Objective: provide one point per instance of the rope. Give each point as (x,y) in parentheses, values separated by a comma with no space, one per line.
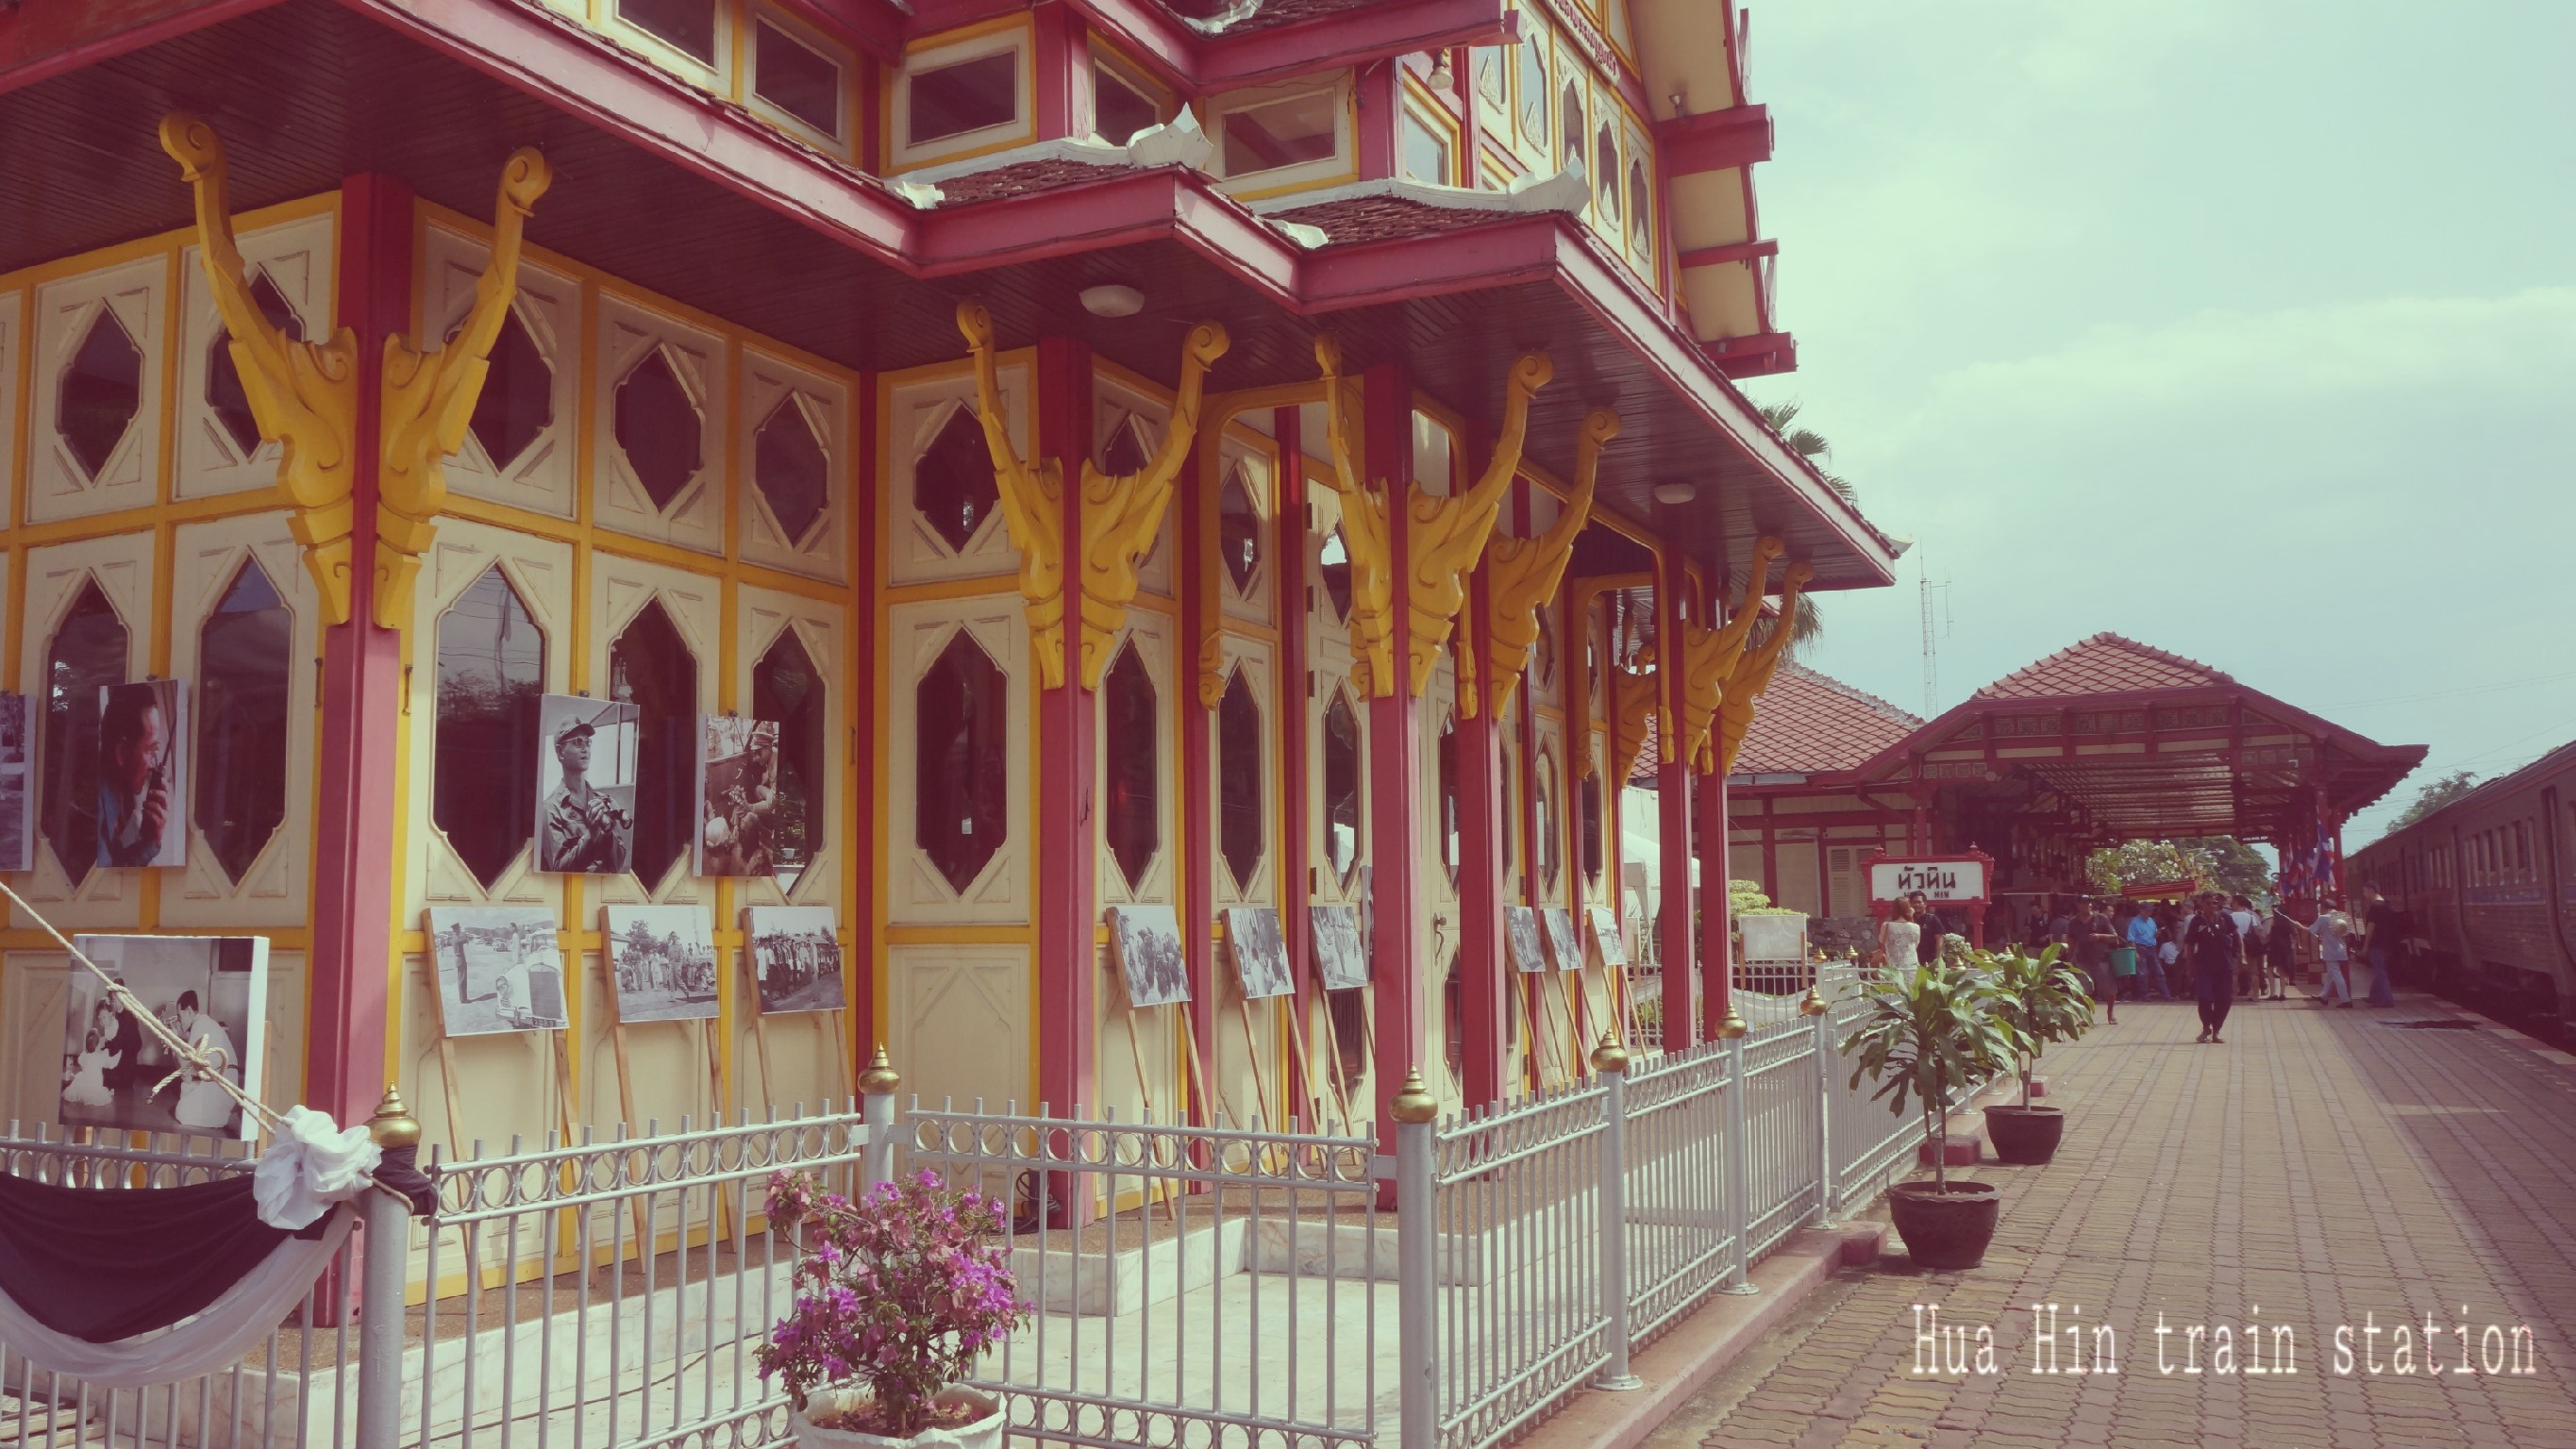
(190,1057)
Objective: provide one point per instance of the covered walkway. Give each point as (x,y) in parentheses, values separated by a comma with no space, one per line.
(2320,1169)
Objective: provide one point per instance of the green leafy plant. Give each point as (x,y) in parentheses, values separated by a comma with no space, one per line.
(1932,1032)
(2042,1001)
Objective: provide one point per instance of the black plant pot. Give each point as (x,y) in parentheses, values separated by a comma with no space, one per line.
(2025,1135)
(1944,1230)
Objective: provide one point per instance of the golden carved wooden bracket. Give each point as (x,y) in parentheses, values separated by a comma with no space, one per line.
(1446,533)
(1120,515)
(304,395)
(1635,697)
(1753,670)
(1709,656)
(1526,571)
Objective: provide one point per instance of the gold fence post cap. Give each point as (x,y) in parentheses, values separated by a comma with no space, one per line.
(1814,1005)
(1609,1056)
(1413,1100)
(880,1078)
(393,1125)
(1733,1026)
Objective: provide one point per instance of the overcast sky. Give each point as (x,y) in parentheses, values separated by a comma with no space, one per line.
(2245,328)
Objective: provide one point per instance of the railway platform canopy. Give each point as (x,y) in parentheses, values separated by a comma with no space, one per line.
(2104,741)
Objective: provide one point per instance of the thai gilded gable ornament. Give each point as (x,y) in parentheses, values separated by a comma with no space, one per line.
(1446,533)
(303,395)
(1710,655)
(1526,571)
(1753,670)
(1120,514)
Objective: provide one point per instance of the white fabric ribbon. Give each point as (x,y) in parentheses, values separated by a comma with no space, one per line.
(212,1341)
(311,1163)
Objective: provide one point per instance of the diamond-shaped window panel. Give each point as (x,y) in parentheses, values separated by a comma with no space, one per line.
(961,809)
(1238,531)
(1342,787)
(657,426)
(1336,561)
(517,403)
(1132,816)
(650,667)
(1125,451)
(789,467)
(1239,777)
(953,485)
(246,655)
(224,395)
(101,392)
(88,653)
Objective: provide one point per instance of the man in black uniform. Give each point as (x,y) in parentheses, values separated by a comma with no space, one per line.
(585,832)
(2211,946)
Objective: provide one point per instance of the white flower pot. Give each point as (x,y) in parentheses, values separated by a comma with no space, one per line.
(984,1433)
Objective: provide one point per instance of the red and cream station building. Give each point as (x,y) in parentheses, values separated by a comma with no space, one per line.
(1006,399)
(2105,741)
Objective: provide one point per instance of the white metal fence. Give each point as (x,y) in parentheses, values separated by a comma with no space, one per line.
(1186,1285)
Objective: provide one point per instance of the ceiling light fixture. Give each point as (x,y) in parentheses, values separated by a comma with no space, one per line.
(1110,299)
(1442,77)
(1675,494)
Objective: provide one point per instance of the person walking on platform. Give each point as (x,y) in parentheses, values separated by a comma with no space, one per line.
(1898,937)
(2094,939)
(2213,947)
(2141,931)
(2280,954)
(2381,919)
(1932,928)
(2249,956)
(2334,932)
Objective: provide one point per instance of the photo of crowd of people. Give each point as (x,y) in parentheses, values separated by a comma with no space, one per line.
(664,961)
(210,991)
(795,958)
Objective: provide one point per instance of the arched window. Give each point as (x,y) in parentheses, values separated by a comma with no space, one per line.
(1238,529)
(1551,851)
(1240,835)
(650,667)
(961,791)
(1448,822)
(1130,746)
(787,688)
(245,652)
(1590,797)
(88,654)
(1533,87)
(483,780)
(1341,787)
(1605,172)
(1641,232)
(1569,135)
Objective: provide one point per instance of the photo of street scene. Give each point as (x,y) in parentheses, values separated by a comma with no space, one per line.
(500,968)
(663,960)
(795,958)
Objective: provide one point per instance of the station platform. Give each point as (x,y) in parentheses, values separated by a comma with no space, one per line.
(2321,1170)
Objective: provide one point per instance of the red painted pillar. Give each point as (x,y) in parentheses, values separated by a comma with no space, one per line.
(1060,63)
(1197,732)
(1716,926)
(355,826)
(1482,890)
(1068,754)
(1672,806)
(1531,886)
(1290,538)
(1394,764)
(864,703)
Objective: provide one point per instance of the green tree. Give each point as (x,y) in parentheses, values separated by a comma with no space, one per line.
(2114,869)
(2436,794)
(1809,444)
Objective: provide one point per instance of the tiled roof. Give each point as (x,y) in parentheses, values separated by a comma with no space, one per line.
(1808,722)
(1266,15)
(1377,218)
(2103,664)
(1021,179)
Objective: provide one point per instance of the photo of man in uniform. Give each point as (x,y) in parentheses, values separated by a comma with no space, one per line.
(586,788)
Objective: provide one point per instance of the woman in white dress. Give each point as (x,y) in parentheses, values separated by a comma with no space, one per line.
(88,1086)
(203,1103)
(1900,937)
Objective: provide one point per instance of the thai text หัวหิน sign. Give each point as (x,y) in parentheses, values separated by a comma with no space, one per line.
(1939,880)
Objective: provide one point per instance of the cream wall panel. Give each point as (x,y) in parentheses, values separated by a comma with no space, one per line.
(1250,1100)
(769,384)
(122,565)
(1152,1047)
(918,894)
(620,588)
(1258,663)
(138,295)
(630,334)
(808,1065)
(296,259)
(1329,671)
(915,413)
(1150,635)
(961,1023)
(540,570)
(505,1082)
(670,1065)
(1799,887)
(761,616)
(276,889)
(1115,405)
(543,477)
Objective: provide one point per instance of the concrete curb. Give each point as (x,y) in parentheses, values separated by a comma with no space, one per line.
(1702,1346)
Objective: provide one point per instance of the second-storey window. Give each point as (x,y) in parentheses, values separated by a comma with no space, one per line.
(1284,135)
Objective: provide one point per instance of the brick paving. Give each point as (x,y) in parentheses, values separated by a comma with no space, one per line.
(2319,1167)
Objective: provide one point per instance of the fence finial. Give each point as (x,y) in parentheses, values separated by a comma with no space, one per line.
(880,1078)
(393,1125)
(1733,1026)
(1413,1100)
(1814,1005)
(1609,1056)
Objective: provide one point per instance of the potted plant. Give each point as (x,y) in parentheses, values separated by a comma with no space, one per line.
(1931,1033)
(2043,1002)
(896,1295)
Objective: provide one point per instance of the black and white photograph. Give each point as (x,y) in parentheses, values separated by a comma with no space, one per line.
(1521,931)
(1147,943)
(1339,956)
(17,777)
(586,766)
(143,774)
(737,796)
(1260,952)
(212,991)
(500,969)
(1564,948)
(1606,944)
(663,961)
(795,958)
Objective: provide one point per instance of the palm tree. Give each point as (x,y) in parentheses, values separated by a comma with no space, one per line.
(1809,444)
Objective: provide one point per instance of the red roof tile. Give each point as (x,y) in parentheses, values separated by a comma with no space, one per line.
(1022,178)
(1376,218)
(2103,664)
(1270,13)
(1808,722)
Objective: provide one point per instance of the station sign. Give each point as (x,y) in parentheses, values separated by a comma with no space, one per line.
(1948,879)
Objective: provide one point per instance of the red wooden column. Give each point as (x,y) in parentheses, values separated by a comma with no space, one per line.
(1672,807)
(1197,732)
(1525,721)
(355,829)
(1294,697)
(1068,749)
(863,701)
(1394,762)
(1482,892)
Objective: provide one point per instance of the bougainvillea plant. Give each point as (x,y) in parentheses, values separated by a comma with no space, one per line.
(899,1291)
